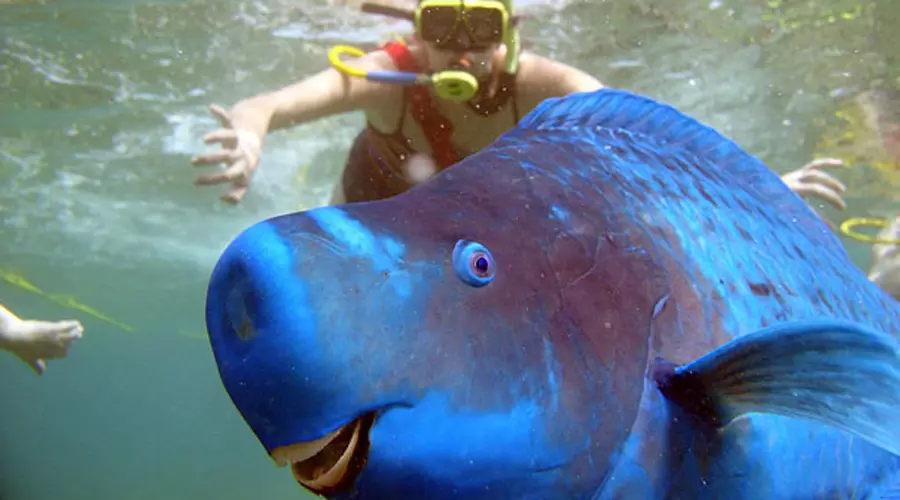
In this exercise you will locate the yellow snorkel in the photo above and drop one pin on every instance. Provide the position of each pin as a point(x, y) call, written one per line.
point(451, 84)
point(512, 42)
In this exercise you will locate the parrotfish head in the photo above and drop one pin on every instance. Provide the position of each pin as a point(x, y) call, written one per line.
point(483, 335)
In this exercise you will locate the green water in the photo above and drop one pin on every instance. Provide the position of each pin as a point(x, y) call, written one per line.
point(104, 102)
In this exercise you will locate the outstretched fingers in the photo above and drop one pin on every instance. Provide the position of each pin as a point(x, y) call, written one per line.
point(826, 194)
point(222, 115)
point(226, 156)
point(826, 179)
point(229, 174)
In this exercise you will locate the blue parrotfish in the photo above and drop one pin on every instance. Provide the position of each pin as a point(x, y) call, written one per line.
point(612, 301)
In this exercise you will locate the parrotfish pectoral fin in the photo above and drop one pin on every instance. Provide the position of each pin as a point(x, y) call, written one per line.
point(841, 374)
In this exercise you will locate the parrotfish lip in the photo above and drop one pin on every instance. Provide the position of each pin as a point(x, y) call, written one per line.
point(329, 465)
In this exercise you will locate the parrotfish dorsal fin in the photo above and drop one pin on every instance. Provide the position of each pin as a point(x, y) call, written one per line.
point(635, 114)
point(838, 373)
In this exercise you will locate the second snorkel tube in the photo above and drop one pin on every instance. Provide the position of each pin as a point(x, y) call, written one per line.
point(454, 85)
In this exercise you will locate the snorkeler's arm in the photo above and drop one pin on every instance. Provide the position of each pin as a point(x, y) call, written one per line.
point(246, 124)
point(326, 93)
point(541, 78)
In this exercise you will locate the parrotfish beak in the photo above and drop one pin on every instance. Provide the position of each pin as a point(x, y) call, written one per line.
point(288, 361)
point(329, 463)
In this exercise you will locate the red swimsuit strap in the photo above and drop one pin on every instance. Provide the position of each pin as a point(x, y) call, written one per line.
point(436, 127)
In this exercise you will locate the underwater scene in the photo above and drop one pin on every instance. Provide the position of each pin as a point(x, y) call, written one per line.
point(505, 249)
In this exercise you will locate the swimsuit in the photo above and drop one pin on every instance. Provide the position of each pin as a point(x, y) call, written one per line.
point(372, 170)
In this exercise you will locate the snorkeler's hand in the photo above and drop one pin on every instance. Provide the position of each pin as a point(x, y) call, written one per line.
point(809, 180)
point(885, 270)
point(35, 342)
point(240, 154)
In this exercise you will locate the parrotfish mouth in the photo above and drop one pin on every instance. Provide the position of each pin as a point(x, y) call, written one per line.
point(330, 464)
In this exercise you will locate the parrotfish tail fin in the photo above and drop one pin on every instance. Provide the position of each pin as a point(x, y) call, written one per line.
point(840, 374)
point(626, 112)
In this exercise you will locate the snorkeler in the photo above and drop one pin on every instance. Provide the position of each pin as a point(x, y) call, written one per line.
point(35, 342)
point(461, 82)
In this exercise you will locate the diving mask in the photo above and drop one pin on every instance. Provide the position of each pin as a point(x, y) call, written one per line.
point(456, 25)
point(462, 25)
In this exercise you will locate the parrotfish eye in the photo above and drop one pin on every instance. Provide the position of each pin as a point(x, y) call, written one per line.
point(473, 263)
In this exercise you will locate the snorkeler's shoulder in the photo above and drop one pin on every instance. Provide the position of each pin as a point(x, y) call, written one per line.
point(384, 110)
point(378, 60)
point(540, 78)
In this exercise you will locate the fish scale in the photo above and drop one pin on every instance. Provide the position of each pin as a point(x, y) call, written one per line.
point(719, 202)
point(725, 219)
